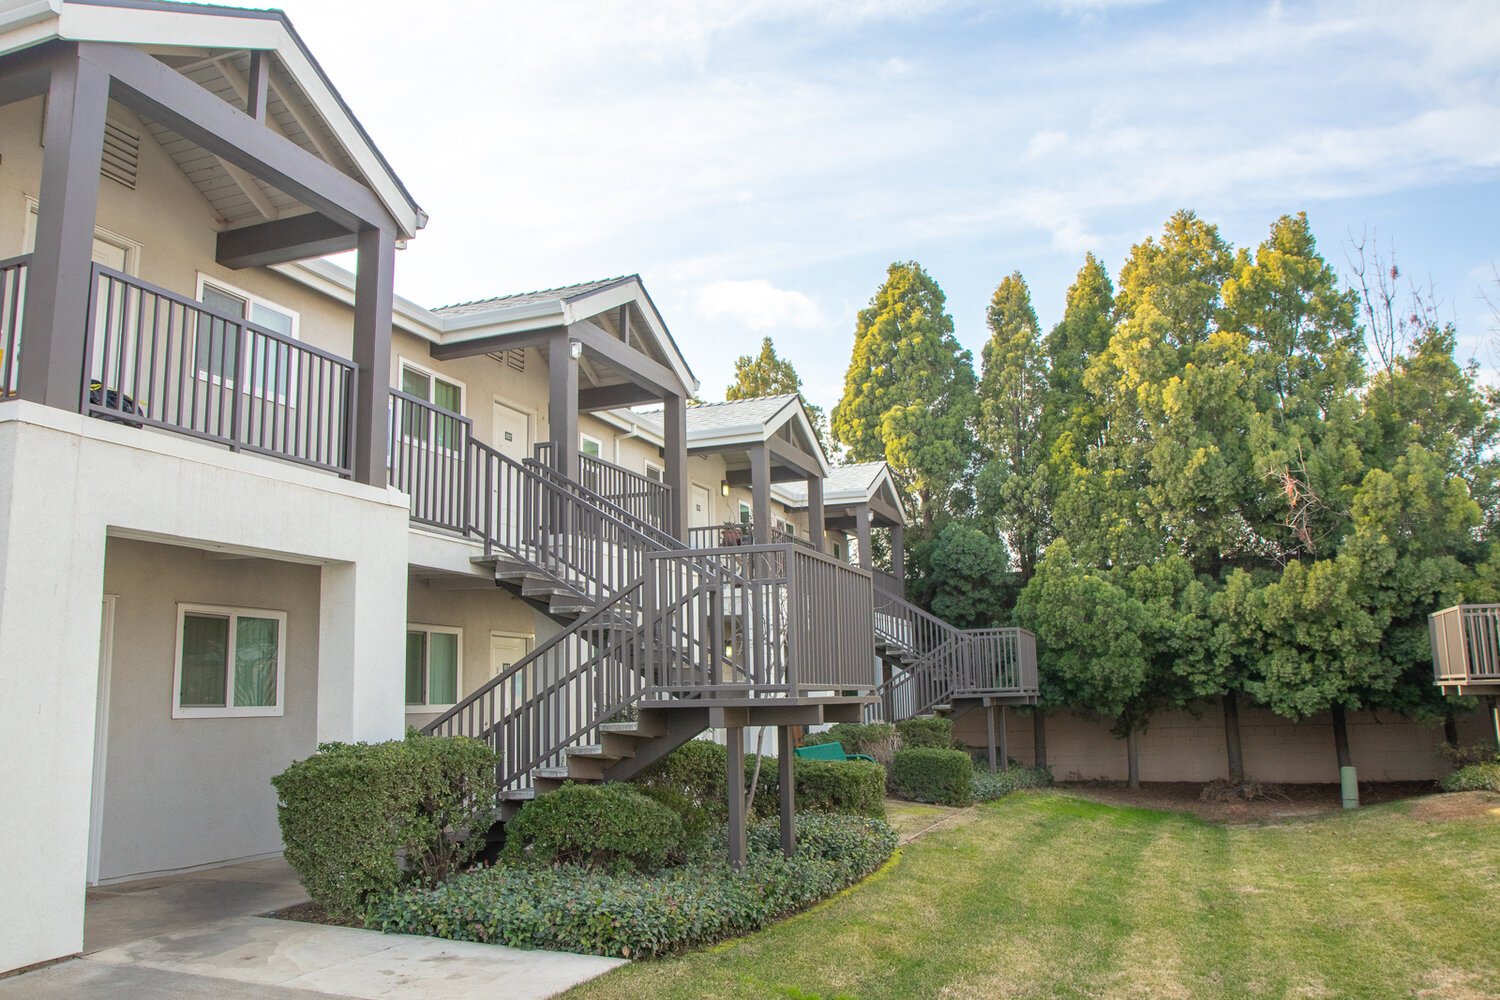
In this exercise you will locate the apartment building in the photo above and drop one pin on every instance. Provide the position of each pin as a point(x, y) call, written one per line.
point(253, 502)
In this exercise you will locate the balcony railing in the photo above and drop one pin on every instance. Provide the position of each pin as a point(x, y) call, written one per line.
point(731, 533)
point(429, 449)
point(1466, 647)
point(644, 499)
point(12, 298)
point(780, 620)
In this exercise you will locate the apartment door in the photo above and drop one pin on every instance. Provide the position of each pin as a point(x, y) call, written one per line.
point(507, 650)
point(702, 514)
point(512, 431)
point(511, 436)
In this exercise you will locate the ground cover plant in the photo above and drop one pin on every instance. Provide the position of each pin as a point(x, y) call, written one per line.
point(640, 915)
point(989, 785)
point(1042, 894)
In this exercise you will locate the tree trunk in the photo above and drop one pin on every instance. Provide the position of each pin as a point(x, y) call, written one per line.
point(1232, 739)
point(1133, 757)
point(1450, 727)
point(760, 746)
point(1341, 736)
point(1039, 736)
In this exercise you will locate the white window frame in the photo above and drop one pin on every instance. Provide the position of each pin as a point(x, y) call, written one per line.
point(463, 400)
point(229, 710)
point(590, 439)
point(660, 470)
point(253, 300)
point(458, 681)
point(131, 247)
point(745, 512)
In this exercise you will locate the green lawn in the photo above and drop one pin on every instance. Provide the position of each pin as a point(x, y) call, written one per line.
point(1048, 895)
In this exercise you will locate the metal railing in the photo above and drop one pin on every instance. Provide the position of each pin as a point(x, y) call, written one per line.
point(157, 359)
point(429, 449)
point(12, 297)
point(998, 661)
point(779, 620)
point(731, 533)
point(641, 498)
point(1466, 645)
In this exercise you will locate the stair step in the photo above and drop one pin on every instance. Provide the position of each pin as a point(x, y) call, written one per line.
point(516, 794)
point(596, 753)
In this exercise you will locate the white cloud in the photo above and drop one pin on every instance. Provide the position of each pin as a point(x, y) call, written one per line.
point(1045, 142)
point(758, 305)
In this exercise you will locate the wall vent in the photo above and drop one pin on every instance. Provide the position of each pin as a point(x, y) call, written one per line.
point(121, 161)
point(514, 359)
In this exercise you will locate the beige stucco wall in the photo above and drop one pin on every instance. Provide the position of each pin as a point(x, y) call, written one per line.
point(1189, 746)
point(185, 792)
point(478, 613)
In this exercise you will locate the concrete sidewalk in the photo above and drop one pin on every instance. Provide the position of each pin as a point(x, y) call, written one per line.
point(183, 937)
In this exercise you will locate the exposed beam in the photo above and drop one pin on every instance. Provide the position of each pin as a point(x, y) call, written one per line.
point(779, 474)
point(210, 58)
point(624, 324)
point(786, 453)
point(25, 74)
point(148, 86)
point(614, 397)
point(297, 237)
point(260, 73)
point(251, 190)
point(494, 344)
point(632, 364)
point(302, 120)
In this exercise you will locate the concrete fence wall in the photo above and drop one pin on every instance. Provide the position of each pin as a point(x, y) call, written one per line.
point(1189, 745)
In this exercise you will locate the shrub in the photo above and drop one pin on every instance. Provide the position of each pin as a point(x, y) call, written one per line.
point(1474, 778)
point(639, 916)
point(691, 781)
point(612, 827)
point(878, 739)
point(989, 785)
point(1474, 753)
point(350, 813)
point(926, 731)
point(850, 787)
point(927, 774)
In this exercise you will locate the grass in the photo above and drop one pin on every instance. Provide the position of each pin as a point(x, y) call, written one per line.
point(1043, 894)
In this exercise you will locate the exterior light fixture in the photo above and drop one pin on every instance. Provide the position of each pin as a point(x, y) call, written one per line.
point(723, 487)
point(575, 349)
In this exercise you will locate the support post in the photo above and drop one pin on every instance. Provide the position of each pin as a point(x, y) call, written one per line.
point(675, 464)
point(989, 722)
point(735, 738)
point(562, 403)
point(898, 554)
point(815, 511)
point(760, 492)
point(57, 287)
point(787, 786)
point(260, 79)
point(862, 536)
point(374, 295)
point(1004, 742)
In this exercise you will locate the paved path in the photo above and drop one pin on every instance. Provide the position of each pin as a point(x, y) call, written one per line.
point(191, 936)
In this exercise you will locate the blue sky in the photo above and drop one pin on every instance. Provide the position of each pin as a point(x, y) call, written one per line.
point(760, 162)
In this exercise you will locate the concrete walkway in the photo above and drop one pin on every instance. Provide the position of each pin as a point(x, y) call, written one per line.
point(191, 936)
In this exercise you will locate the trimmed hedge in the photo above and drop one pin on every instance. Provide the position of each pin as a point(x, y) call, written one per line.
point(878, 739)
point(926, 731)
point(928, 774)
point(350, 813)
point(692, 781)
point(640, 916)
point(1474, 778)
point(989, 786)
point(611, 827)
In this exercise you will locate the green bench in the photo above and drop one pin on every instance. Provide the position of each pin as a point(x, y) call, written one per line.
point(829, 751)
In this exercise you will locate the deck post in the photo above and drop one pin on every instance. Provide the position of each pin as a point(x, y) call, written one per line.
point(815, 513)
point(1004, 745)
point(735, 740)
point(787, 786)
point(898, 554)
point(989, 722)
point(374, 298)
point(562, 403)
point(57, 288)
point(675, 465)
point(760, 493)
point(862, 536)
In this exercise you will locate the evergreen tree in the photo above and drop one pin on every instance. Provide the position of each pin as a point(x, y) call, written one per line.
point(769, 374)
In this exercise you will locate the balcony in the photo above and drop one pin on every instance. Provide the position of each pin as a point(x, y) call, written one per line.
point(153, 358)
point(1466, 648)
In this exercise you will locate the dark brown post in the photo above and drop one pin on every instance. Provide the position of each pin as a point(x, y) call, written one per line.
point(1004, 742)
point(57, 287)
point(675, 464)
point(562, 403)
point(815, 511)
point(735, 739)
point(989, 719)
point(898, 554)
point(1039, 736)
point(260, 78)
point(374, 295)
point(862, 535)
point(787, 780)
point(760, 492)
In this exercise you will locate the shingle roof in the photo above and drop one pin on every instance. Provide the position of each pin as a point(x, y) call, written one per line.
point(845, 479)
point(705, 418)
point(562, 293)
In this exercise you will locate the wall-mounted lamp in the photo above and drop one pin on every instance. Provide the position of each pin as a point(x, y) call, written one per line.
point(723, 487)
point(575, 349)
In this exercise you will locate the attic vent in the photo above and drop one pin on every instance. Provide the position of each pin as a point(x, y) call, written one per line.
point(514, 359)
point(122, 154)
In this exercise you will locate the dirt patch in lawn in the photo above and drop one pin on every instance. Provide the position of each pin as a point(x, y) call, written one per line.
point(1285, 802)
point(911, 820)
point(1458, 805)
point(312, 913)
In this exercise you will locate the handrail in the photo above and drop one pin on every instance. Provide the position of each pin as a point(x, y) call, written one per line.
point(1466, 644)
point(429, 460)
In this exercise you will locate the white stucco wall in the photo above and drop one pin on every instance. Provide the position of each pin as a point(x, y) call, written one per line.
point(71, 482)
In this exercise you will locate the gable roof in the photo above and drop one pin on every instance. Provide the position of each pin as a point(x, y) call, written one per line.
point(734, 422)
point(563, 293)
point(211, 46)
point(858, 483)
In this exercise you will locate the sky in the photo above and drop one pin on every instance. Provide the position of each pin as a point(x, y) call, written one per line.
point(761, 162)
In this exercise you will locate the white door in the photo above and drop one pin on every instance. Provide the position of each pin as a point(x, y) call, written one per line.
point(512, 432)
point(506, 650)
point(702, 514)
